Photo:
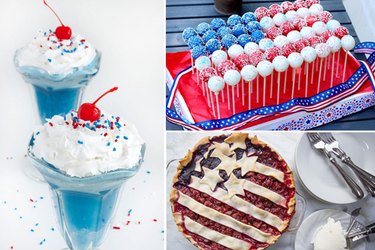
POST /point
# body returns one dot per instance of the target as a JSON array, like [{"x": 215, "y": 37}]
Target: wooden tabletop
[{"x": 189, "y": 13}]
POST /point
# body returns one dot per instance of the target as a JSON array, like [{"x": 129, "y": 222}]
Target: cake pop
[
  {"x": 279, "y": 19},
  {"x": 271, "y": 53},
  {"x": 253, "y": 26},
  {"x": 265, "y": 44},
  {"x": 309, "y": 55},
  {"x": 217, "y": 23},
  {"x": 256, "y": 57},
  {"x": 224, "y": 31},
  {"x": 280, "y": 41},
  {"x": 311, "y": 2},
  {"x": 241, "y": 60},
  {"x": 341, "y": 31},
  {"x": 239, "y": 29},
  {"x": 198, "y": 51},
  {"x": 228, "y": 40},
  {"x": 266, "y": 23},
  {"x": 194, "y": 41},
  {"x": 307, "y": 32},
  {"x": 204, "y": 72},
  {"x": 202, "y": 62},
  {"x": 261, "y": 12},
  {"x": 348, "y": 44},
  {"x": 249, "y": 73},
  {"x": 325, "y": 16},
  {"x": 303, "y": 12},
  {"x": 244, "y": 39},
  {"x": 332, "y": 25},
  {"x": 310, "y": 20},
  {"x": 275, "y": 9},
  {"x": 287, "y": 6},
  {"x": 295, "y": 61},
  {"x": 203, "y": 28},
  {"x": 235, "y": 50},
  {"x": 232, "y": 78},
  {"x": 319, "y": 27},
  {"x": 218, "y": 57},
  {"x": 286, "y": 28},
  {"x": 233, "y": 20},
  {"x": 210, "y": 34},
  {"x": 216, "y": 84},
  {"x": 291, "y": 15},
  {"x": 316, "y": 9},
  {"x": 248, "y": 17},
  {"x": 187, "y": 33},
  {"x": 265, "y": 69},
  {"x": 314, "y": 41},
  {"x": 257, "y": 35},
  {"x": 299, "y": 4},
  {"x": 251, "y": 47},
  {"x": 213, "y": 45},
  {"x": 301, "y": 44},
  {"x": 334, "y": 44},
  {"x": 322, "y": 51},
  {"x": 326, "y": 34},
  {"x": 287, "y": 49},
  {"x": 224, "y": 66},
  {"x": 294, "y": 36},
  {"x": 281, "y": 64},
  {"x": 273, "y": 32},
  {"x": 299, "y": 24}
]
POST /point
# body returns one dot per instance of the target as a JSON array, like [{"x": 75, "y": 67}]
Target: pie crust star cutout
[
  {"x": 234, "y": 186},
  {"x": 211, "y": 177}
]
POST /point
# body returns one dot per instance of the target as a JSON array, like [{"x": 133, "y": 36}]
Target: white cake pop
[
  {"x": 291, "y": 15},
  {"x": 279, "y": 19},
  {"x": 322, "y": 50},
  {"x": 216, "y": 83},
  {"x": 307, "y": 32},
  {"x": 280, "y": 63},
  {"x": 308, "y": 54},
  {"x": 334, "y": 43},
  {"x": 202, "y": 62},
  {"x": 319, "y": 27},
  {"x": 332, "y": 25},
  {"x": 235, "y": 50},
  {"x": 294, "y": 36},
  {"x": 265, "y": 44},
  {"x": 295, "y": 60},
  {"x": 265, "y": 68},
  {"x": 316, "y": 9},
  {"x": 218, "y": 57},
  {"x": 266, "y": 23},
  {"x": 232, "y": 77},
  {"x": 249, "y": 73},
  {"x": 280, "y": 41},
  {"x": 251, "y": 47},
  {"x": 347, "y": 42},
  {"x": 303, "y": 12}
]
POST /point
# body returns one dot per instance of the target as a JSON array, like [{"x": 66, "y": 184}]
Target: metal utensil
[
  {"x": 367, "y": 179},
  {"x": 319, "y": 144},
  {"x": 353, "y": 215},
  {"x": 370, "y": 229}
]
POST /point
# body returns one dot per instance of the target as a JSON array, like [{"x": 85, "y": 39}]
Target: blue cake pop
[
  {"x": 253, "y": 26},
  {"x": 202, "y": 28},
  {"x": 233, "y": 20},
  {"x": 244, "y": 39},
  {"x": 198, "y": 51},
  {"x": 217, "y": 23},
  {"x": 228, "y": 40},
  {"x": 209, "y": 35},
  {"x": 239, "y": 29},
  {"x": 224, "y": 31},
  {"x": 212, "y": 45},
  {"x": 188, "y": 32},
  {"x": 194, "y": 41},
  {"x": 257, "y": 35},
  {"x": 248, "y": 17}
]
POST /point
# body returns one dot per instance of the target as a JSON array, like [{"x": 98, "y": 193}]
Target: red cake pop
[
  {"x": 341, "y": 31},
  {"x": 311, "y": 2},
  {"x": 62, "y": 32},
  {"x": 241, "y": 61},
  {"x": 287, "y": 6},
  {"x": 325, "y": 16},
  {"x": 206, "y": 73},
  {"x": 310, "y": 20},
  {"x": 299, "y": 4},
  {"x": 274, "y": 9},
  {"x": 271, "y": 53},
  {"x": 273, "y": 32},
  {"x": 287, "y": 49},
  {"x": 286, "y": 28},
  {"x": 256, "y": 57},
  {"x": 89, "y": 112},
  {"x": 299, "y": 24},
  {"x": 326, "y": 34},
  {"x": 224, "y": 66},
  {"x": 315, "y": 40},
  {"x": 300, "y": 44},
  {"x": 261, "y": 12}
]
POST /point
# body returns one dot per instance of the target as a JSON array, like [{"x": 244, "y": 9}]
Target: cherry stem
[
  {"x": 44, "y": 1},
  {"x": 109, "y": 91}
]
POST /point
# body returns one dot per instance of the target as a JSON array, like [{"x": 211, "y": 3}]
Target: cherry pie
[{"x": 232, "y": 192}]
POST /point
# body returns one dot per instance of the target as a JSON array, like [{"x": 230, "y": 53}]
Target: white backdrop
[{"x": 130, "y": 35}]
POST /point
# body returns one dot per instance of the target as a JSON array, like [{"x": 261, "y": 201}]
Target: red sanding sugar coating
[
  {"x": 286, "y": 28},
  {"x": 256, "y": 57},
  {"x": 341, "y": 31},
  {"x": 287, "y": 49},
  {"x": 206, "y": 73},
  {"x": 300, "y": 44},
  {"x": 242, "y": 60},
  {"x": 225, "y": 66},
  {"x": 299, "y": 24},
  {"x": 311, "y": 2},
  {"x": 274, "y": 9},
  {"x": 261, "y": 12},
  {"x": 315, "y": 40},
  {"x": 325, "y": 16},
  {"x": 287, "y": 6},
  {"x": 310, "y": 20},
  {"x": 271, "y": 53},
  {"x": 299, "y": 4},
  {"x": 326, "y": 34},
  {"x": 273, "y": 32}
]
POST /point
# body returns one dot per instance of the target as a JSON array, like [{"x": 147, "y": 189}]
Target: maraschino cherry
[
  {"x": 62, "y": 32},
  {"x": 89, "y": 112}
]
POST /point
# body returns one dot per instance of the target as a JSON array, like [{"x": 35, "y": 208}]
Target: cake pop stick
[
  {"x": 322, "y": 50},
  {"x": 201, "y": 63},
  {"x": 338, "y": 64},
  {"x": 348, "y": 43},
  {"x": 265, "y": 69},
  {"x": 280, "y": 63},
  {"x": 295, "y": 61},
  {"x": 285, "y": 80},
  {"x": 257, "y": 89},
  {"x": 232, "y": 77},
  {"x": 334, "y": 44},
  {"x": 309, "y": 55},
  {"x": 234, "y": 51},
  {"x": 325, "y": 68},
  {"x": 216, "y": 84},
  {"x": 249, "y": 73}
]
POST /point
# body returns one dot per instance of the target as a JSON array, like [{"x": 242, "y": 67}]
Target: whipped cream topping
[
  {"x": 82, "y": 148},
  {"x": 56, "y": 56}
]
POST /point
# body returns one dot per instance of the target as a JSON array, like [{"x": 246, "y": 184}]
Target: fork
[
  {"x": 367, "y": 179},
  {"x": 319, "y": 144}
]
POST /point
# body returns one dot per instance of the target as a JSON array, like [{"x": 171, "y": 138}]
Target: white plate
[
  {"x": 321, "y": 178},
  {"x": 312, "y": 223}
]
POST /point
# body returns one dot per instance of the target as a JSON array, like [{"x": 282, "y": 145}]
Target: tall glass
[
  {"x": 84, "y": 206},
  {"x": 57, "y": 94}
]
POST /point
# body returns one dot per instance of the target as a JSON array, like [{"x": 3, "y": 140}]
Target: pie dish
[{"x": 232, "y": 192}]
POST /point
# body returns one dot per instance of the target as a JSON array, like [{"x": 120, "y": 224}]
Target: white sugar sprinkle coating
[
  {"x": 303, "y": 12},
  {"x": 232, "y": 77},
  {"x": 322, "y": 50},
  {"x": 295, "y": 60},
  {"x": 316, "y": 9},
  {"x": 202, "y": 62},
  {"x": 294, "y": 36},
  {"x": 332, "y": 25},
  {"x": 319, "y": 27},
  {"x": 334, "y": 43},
  {"x": 216, "y": 83},
  {"x": 309, "y": 54},
  {"x": 265, "y": 68},
  {"x": 279, "y": 19},
  {"x": 218, "y": 57},
  {"x": 280, "y": 63},
  {"x": 251, "y": 47},
  {"x": 307, "y": 32},
  {"x": 235, "y": 50},
  {"x": 266, "y": 23},
  {"x": 280, "y": 41},
  {"x": 291, "y": 15},
  {"x": 265, "y": 44},
  {"x": 347, "y": 42},
  {"x": 249, "y": 73}
]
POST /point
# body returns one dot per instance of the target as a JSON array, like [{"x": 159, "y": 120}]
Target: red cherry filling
[
  {"x": 62, "y": 32},
  {"x": 89, "y": 112}
]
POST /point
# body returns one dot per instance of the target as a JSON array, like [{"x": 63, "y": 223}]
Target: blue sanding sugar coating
[
  {"x": 202, "y": 28},
  {"x": 209, "y": 35},
  {"x": 194, "y": 41},
  {"x": 257, "y": 35},
  {"x": 56, "y": 101},
  {"x": 188, "y": 32},
  {"x": 253, "y": 26},
  {"x": 248, "y": 17},
  {"x": 217, "y": 23},
  {"x": 233, "y": 20},
  {"x": 198, "y": 51},
  {"x": 244, "y": 39},
  {"x": 239, "y": 29},
  {"x": 212, "y": 45},
  {"x": 224, "y": 31},
  {"x": 228, "y": 40}
]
